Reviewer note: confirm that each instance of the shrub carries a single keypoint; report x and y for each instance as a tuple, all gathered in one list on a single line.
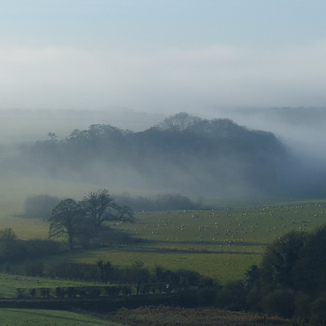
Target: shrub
[(74, 271), (125, 290), (36, 247), (302, 304), (60, 292), (34, 268), (32, 292), (318, 311), (206, 297), (279, 302), (254, 299), (232, 297)]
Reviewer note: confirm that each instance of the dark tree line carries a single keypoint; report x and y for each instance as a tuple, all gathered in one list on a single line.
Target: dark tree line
[(14, 249), (183, 152), (41, 206), (82, 222), (162, 202), (143, 279)]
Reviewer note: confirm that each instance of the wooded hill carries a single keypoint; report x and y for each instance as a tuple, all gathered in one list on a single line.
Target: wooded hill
[(183, 154)]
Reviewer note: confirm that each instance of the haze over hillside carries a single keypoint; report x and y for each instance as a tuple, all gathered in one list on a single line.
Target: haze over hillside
[(21, 125), (181, 154)]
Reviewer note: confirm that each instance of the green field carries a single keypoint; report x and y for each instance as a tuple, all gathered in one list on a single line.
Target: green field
[(29, 317), (220, 244), (217, 243)]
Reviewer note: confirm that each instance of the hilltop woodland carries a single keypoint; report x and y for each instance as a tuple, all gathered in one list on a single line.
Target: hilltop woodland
[(183, 154)]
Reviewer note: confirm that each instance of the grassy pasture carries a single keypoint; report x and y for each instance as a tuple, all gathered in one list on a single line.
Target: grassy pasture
[(25, 228), (220, 244), (221, 267), (217, 243), (26, 317), (228, 230)]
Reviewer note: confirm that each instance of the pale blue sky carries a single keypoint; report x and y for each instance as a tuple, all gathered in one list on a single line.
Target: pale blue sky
[(162, 55)]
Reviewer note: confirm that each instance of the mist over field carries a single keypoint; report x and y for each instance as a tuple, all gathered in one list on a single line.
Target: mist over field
[(222, 153)]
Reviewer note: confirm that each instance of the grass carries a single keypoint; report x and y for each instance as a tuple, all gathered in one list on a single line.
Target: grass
[(221, 267), (29, 317), (9, 284), (218, 243), (25, 228), (221, 244)]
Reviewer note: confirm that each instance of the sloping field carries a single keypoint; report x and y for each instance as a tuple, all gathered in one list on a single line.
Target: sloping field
[(220, 244)]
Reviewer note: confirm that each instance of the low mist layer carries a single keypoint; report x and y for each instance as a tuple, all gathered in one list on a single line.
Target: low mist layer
[(182, 154)]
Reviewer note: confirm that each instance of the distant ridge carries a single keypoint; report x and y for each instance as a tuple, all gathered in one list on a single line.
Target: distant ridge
[(183, 153)]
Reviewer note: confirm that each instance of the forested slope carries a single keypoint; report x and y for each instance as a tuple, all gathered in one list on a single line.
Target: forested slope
[(183, 154)]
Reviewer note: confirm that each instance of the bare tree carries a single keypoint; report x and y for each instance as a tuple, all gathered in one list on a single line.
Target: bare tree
[(99, 207), (66, 219), (95, 205), (124, 213)]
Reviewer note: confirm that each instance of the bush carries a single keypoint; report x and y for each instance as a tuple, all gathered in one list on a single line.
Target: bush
[(74, 271), (232, 297), (279, 302), (38, 248), (60, 292), (34, 268), (318, 311), (254, 299), (302, 305), (206, 297)]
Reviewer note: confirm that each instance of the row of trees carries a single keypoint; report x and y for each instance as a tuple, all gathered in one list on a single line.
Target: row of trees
[(41, 206), (142, 279), (83, 221)]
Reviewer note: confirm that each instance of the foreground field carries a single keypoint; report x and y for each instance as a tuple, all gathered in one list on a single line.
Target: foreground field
[(24, 317)]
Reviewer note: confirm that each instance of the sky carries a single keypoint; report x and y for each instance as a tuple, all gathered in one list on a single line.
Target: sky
[(162, 55)]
